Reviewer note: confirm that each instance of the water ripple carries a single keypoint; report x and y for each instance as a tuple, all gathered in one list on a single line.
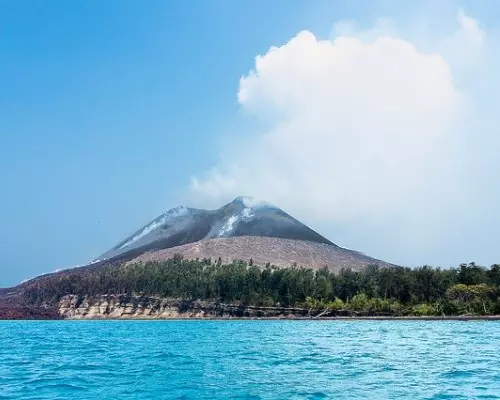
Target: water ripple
[(249, 360)]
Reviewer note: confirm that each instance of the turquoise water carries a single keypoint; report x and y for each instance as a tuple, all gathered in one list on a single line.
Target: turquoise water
[(249, 360)]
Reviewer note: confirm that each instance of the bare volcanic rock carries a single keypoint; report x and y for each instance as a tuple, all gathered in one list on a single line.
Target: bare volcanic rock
[(11, 313), (244, 216), (262, 250), (244, 229)]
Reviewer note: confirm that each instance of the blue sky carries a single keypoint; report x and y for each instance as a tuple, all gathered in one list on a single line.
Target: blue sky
[(109, 109)]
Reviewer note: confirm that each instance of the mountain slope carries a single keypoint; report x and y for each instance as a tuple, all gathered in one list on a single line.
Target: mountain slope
[(244, 216), (242, 229), (262, 250)]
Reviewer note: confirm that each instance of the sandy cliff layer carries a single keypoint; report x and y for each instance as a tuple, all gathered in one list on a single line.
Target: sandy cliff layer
[(143, 307)]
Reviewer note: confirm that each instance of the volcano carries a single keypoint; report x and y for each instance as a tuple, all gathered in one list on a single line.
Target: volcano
[(243, 229)]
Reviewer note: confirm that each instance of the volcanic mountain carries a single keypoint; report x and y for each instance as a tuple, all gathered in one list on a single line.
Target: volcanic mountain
[(243, 229)]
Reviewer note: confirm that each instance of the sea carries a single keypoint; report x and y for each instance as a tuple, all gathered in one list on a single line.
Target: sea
[(249, 359)]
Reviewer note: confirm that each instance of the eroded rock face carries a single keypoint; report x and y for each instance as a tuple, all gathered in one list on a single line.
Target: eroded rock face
[(146, 307)]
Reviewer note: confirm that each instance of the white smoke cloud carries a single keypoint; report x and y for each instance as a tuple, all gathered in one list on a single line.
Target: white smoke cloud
[(364, 129)]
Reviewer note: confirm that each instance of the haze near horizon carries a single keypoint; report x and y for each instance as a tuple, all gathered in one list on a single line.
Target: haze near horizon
[(375, 125)]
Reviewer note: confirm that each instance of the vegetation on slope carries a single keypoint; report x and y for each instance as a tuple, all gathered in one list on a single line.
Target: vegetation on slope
[(468, 289)]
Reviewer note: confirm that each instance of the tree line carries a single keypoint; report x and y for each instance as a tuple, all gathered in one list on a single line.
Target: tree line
[(467, 289)]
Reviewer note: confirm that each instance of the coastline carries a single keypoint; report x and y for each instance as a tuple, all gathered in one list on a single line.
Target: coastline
[(144, 308), (294, 318)]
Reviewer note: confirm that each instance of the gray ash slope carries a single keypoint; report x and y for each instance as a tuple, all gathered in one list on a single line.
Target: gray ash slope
[(244, 216), (242, 229)]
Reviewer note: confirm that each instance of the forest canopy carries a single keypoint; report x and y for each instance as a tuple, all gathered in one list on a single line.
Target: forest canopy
[(468, 289)]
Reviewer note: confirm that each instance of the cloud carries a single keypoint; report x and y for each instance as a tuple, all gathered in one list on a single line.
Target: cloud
[(464, 48), (470, 29), (362, 129)]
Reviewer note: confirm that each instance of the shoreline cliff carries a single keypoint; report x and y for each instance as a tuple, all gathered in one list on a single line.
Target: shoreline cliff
[(137, 307)]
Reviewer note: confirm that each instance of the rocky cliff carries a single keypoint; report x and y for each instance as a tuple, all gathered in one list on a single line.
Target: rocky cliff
[(145, 307)]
